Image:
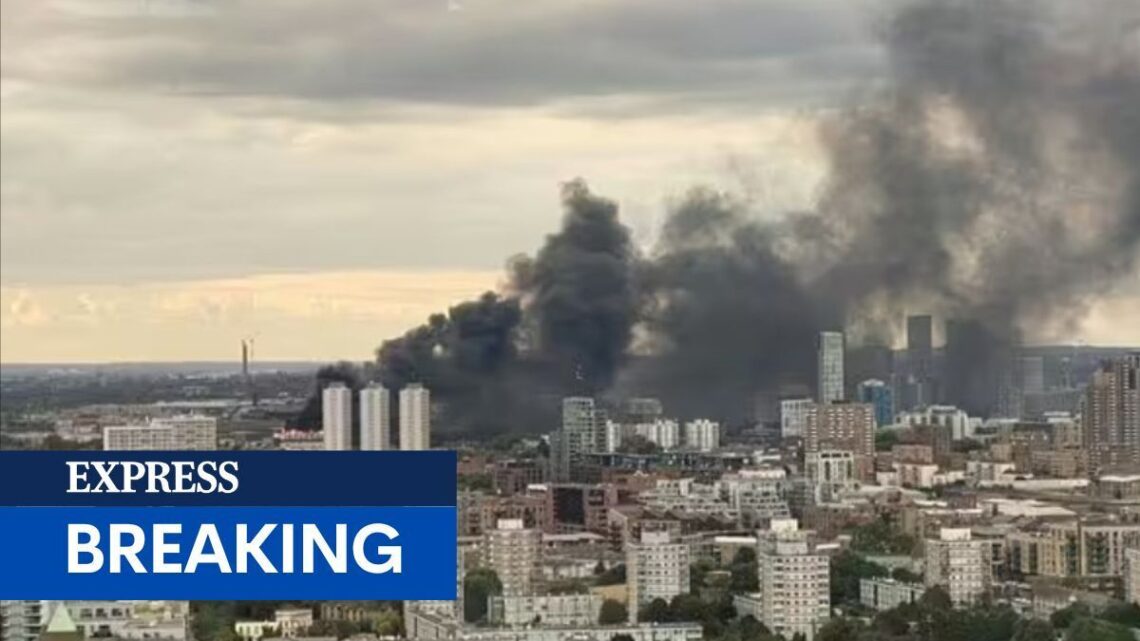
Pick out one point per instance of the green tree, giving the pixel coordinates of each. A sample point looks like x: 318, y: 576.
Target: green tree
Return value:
x: 905, y: 575
x: 622, y: 637
x: 847, y: 568
x: 1126, y: 614
x: 478, y: 586
x: 891, y: 623
x: 656, y: 611
x: 1090, y: 629
x: 613, y: 612
x: 612, y: 576
x: 885, y: 440
x: 745, y: 573
x: 1034, y: 630
x: 1063, y: 618
x: 841, y: 629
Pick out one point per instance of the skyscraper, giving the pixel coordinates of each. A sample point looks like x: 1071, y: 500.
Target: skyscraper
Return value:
x: 415, y: 417
x: 920, y: 345
x: 375, y: 418
x: 336, y: 420
x: 1111, y: 413
x: 830, y: 362
x: 879, y: 395
x: 583, y: 431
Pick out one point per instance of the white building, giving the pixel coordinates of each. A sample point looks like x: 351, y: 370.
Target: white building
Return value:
x: 415, y: 417
x: 430, y: 626
x: 887, y: 594
x: 375, y: 418
x: 793, y: 416
x: 961, y: 426
x: 829, y: 359
x: 22, y: 620
x: 656, y: 568
x: 665, y: 433
x: 831, y: 472
x: 585, y: 429
x: 795, y: 582
x: 514, y: 552
x: 702, y: 434
x: 336, y: 417
x: 131, y: 620
x: 191, y: 432
x: 548, y: 610
x: 288, y: 623
x: 1132, y: 575
x: 960, y: 564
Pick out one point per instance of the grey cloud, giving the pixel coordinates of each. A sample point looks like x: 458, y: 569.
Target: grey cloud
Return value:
x: 489, y: 53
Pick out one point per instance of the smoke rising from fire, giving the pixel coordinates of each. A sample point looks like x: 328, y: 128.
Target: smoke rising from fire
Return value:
x: 993, y: 175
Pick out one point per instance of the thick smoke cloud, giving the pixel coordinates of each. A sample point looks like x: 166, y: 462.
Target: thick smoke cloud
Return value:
x: 993, y: 177
x: 580, y: 292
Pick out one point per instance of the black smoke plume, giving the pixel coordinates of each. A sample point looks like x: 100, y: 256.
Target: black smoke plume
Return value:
x: 993, y: 177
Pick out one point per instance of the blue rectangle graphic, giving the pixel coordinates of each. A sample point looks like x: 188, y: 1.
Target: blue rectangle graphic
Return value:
x: 79, y: 478
x: 170, y: 553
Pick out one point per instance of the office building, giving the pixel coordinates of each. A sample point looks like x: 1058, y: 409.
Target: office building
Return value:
x: 336, y: 416
x: 375, y: 418
x: 829, y: 360
x: 794, y: 580
x: 656, y: 568
x: 793, y: 416
x: 920, y: 346
x: 1111, y: 414
x: 415, y: 417
x: 514, y: 552
x: 174, y: 433
x: 878, y: 394
x: 702, y: 434
x: 960, y: 564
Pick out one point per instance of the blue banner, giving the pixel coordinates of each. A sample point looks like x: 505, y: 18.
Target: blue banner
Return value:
x: 227, y: 553
x: 263, y: 478
x: 228, y: 525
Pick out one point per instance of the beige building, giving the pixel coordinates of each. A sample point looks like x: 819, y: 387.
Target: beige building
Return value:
x: 958, y: 563
x: 1111, y: 414
x: 514, y: 552
x: 656, y: 568
x: 1132, y: 575
x: 192, y: 432
x: 1072, y: 549
x: 794, y: 580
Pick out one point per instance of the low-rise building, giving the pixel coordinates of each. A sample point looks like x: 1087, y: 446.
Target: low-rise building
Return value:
x: 545, y: 610
x: 887, y: 594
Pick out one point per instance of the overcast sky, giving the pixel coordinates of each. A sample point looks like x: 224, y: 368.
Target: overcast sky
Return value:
x: 179, y: 174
